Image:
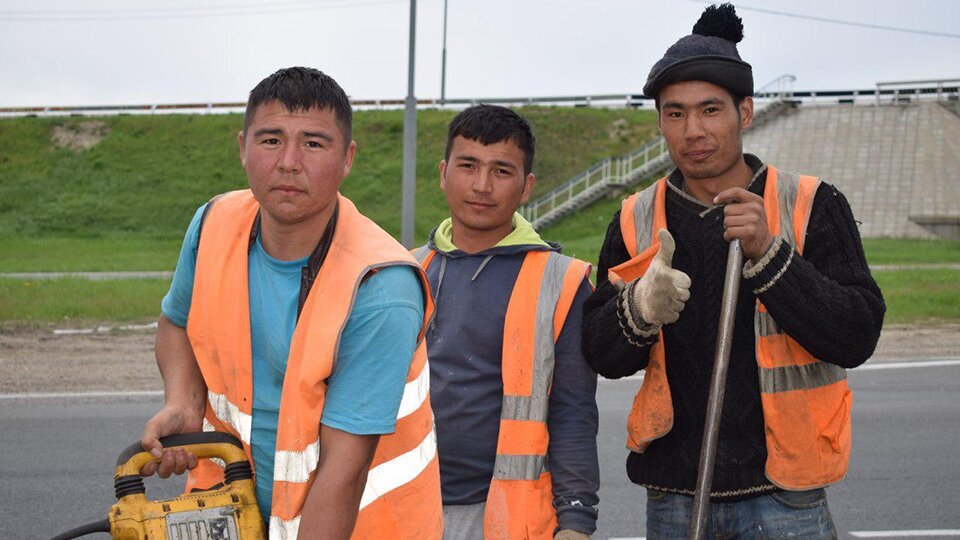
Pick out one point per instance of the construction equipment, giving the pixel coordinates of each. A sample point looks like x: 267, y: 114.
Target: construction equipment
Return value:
x: 718, y: 381
x: 226, y: 512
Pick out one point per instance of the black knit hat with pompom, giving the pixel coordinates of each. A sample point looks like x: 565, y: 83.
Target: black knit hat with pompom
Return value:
x: 708, y: 54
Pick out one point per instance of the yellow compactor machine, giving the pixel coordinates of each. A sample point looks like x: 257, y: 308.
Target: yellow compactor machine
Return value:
x: 226, y: 512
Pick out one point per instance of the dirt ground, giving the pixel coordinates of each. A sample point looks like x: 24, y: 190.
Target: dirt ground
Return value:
x: 37, y: 360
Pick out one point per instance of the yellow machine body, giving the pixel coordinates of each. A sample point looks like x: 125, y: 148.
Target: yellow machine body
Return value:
x: 227, y: 512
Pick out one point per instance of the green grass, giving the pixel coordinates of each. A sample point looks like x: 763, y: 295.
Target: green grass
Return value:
x: 920, y: 295
x: 73, y: 300
x: 909, y: 251
x: 45, y: 254
x: 912, y: 296
x: 124, y: 204
x: 144, y: 180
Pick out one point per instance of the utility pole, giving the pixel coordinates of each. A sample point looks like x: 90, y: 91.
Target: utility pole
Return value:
x: 409, y: 141
x: 443, y: 59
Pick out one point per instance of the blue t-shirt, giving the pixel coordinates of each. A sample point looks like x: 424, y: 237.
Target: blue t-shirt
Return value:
x: 376, y: 348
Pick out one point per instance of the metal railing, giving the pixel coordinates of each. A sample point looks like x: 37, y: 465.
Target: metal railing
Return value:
x: 598, y: 100
x: 617, y: 173
x: 884, y: 93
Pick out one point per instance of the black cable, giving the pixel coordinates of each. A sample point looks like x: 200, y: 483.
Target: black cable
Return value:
x: 835, y: 21
x: 83, y: 530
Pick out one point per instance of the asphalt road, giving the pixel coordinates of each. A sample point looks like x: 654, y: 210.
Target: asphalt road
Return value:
x: 57, y: 457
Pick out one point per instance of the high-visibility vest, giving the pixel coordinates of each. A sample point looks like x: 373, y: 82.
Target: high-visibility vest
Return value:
x: 401, y: 499
x: 520, y: 500
x: 806, y: 402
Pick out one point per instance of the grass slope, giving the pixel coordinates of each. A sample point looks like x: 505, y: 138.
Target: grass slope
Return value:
x: 123, y: 204
x: 142, y: 182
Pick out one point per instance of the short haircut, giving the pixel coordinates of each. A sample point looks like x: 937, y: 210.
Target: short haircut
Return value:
x: 490, y: 124
x: 302, y: 89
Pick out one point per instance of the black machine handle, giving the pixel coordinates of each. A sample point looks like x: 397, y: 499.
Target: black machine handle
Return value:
x: 182, y: 439
x: 206, y: 444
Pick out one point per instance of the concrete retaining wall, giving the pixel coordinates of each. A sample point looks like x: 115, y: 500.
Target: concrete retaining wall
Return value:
x: 891, y: 162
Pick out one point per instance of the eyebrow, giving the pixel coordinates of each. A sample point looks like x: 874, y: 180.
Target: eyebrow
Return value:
x: 497, y: 162
x: 704, y: 103
x: 307, y: 134
x: 318, y: 135
x: 267, y: 131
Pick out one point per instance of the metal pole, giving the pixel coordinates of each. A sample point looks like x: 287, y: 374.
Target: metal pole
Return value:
x: 410, y: 140
x: 443, y: 61
x: 718, y: 380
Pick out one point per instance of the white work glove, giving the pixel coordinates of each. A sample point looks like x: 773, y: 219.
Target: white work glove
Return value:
x: 658, y: 297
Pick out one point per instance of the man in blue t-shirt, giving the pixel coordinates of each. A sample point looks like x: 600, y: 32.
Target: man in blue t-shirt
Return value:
x: 296, y: 148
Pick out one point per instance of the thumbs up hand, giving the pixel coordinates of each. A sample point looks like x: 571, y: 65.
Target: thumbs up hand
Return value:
x: 660, y: 294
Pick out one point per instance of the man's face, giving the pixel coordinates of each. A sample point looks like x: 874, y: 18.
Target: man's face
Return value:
x: 484, y: 185
x: 295, y: 162
x: 703, y: 127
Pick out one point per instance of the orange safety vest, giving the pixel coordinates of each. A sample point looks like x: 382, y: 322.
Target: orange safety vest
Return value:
x: 520, y: 500
x: 401, y: 499
x: 806, y: 402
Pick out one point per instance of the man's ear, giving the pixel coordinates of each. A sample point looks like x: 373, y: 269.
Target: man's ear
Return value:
x: 746, y: 112
x: 443, y: 174
x: 243, y: 153
x: 348, y: 161
x: 528, y: 184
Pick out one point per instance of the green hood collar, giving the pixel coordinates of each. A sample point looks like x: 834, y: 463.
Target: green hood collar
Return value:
x: 523, y: 234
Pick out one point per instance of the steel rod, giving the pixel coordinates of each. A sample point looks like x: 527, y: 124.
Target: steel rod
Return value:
x: 718, y: 380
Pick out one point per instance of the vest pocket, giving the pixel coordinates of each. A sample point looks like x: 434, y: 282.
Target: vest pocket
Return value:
x: 837, y: 430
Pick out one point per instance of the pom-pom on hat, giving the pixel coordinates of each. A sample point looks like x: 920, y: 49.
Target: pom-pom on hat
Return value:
x: 708, y: 54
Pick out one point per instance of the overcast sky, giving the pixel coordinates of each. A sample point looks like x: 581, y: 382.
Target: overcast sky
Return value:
x: 98, y: 52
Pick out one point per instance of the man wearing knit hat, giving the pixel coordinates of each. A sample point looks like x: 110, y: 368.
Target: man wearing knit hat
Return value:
x: 807, y: 310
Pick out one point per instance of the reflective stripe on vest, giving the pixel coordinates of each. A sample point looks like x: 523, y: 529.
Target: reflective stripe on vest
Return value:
x: 230, y: 414
x: 806, y: 402
x: 520, y: 499
x: 401, y: 498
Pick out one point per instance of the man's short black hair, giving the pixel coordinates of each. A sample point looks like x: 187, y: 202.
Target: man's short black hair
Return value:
x: 490, y: 124
x: 302, y: 89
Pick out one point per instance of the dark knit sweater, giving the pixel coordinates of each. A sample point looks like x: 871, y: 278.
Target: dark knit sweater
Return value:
x: 826, y: 300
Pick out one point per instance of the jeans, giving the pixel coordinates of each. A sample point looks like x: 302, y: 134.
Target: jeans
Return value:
x: 796, y: 514
x: 463, y: 522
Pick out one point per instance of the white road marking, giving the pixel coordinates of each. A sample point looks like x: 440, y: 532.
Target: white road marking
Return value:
x: 915, y: 364
x: 920, y: 363
x: 863, y: 534
x: 58, y: 395
x: 103, y: 329
x: 905, y: 534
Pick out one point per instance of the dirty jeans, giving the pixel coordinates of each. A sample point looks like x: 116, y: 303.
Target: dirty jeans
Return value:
x: 797, y: 514
x: 463, y: 522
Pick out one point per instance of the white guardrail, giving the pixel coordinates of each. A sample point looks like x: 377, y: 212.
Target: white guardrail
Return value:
x: 884, y: 93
